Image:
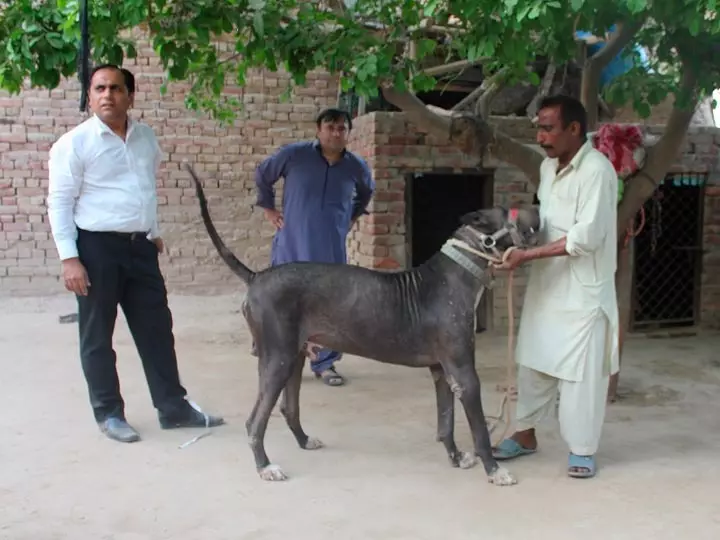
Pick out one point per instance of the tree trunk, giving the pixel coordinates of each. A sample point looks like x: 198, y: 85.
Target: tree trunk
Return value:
x: 623, y: 286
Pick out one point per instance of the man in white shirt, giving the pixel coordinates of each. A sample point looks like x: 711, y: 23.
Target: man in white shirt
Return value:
x: 568, y: 336
x: 102, y: 206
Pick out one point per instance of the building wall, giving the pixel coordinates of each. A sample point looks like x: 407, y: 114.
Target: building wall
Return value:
x: 225, y: 158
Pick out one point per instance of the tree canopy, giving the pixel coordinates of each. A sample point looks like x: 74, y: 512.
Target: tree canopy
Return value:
x: 366, y: 42
x: 394, y: 45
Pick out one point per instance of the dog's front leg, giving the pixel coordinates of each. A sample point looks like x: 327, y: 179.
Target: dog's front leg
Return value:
x: 466, y: 385
x: 446, y: 420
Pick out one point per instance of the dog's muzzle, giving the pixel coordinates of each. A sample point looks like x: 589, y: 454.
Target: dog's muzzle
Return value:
x: 489, y: 241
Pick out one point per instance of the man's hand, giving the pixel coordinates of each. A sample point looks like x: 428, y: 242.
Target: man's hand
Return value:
x: 75, y: 276
x: 514, y: 257
x: 159, y: 244
x: 275, y: 217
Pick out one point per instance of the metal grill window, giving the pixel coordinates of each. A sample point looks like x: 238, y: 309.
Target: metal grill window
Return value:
x: 668, y: 255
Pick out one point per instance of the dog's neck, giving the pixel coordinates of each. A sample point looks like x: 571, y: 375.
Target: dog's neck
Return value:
x: 466, y: 251
x: 468, y: 258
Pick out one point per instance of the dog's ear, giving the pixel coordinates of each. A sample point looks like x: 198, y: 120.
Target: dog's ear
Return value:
x: 528, y: 217
x: 478, y: 218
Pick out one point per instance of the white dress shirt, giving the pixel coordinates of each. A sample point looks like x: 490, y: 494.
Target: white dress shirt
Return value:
x: 566, y: 295
x: 98, y: 182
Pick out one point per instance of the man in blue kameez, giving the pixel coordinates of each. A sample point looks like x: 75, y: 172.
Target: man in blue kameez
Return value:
x: 326, y: 189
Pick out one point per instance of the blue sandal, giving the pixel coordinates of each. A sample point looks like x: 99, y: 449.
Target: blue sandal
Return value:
x: 510, y: 449
x: 585, y: 463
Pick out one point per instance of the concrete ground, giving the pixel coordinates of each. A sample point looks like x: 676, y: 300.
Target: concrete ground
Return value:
x: 381, y: 476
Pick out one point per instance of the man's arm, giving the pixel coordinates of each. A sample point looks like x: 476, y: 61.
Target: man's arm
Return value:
x: 159, y: 156
x: 595, y: 220
x: 364, y: 190
x: 268, y: 173
x: 65, y: 180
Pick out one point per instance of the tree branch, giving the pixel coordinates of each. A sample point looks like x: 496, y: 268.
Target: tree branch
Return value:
x: 594, y: 65
x: 418, y: 112
x: 661, y: 155
x: 454, y: 66
x: 493, y: 85
x: 469, y: 99
x: 467, y: 132
x: 545, y: 86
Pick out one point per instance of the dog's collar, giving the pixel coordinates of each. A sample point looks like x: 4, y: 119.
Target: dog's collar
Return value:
x: 466, y: 262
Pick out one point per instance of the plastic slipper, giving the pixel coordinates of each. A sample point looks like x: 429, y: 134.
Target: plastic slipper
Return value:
x: 581, y: 462
x: 510, y: 449
x: 331, y: 377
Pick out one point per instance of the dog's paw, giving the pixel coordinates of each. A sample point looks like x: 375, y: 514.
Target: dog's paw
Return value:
x: 313, y: 444
x: 272, y: 473
x: 467, y: 460
x: 502, y: 477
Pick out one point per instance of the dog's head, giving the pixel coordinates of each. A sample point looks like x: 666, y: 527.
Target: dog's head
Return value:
x: 497, y: 229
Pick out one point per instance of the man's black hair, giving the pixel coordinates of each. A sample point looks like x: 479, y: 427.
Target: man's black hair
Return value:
x: 571, y: 110
x: 333, y: 115
x: 127, y: 75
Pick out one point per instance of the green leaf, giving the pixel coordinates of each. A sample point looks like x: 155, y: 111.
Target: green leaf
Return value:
x: 636, y: 6
x: 643, y: 109
x: 577, y: 5
x: 258, y: 24
x: 55, y: 39
x: 425, y: 46
x: 694, y: 26
x: 203, y: 35
x: 430, y: 7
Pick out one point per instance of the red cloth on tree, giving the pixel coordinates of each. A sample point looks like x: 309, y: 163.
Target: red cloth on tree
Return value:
x: 618, y: 142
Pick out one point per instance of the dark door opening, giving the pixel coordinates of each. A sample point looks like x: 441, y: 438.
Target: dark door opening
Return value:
x: 668, y: 256
x: 436, y: 201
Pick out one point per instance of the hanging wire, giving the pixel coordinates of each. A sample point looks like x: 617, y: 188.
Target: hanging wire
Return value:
x: 84, y: 55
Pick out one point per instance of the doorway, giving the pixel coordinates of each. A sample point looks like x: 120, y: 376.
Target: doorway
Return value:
x: 434, y: 204
x: 668, y: 256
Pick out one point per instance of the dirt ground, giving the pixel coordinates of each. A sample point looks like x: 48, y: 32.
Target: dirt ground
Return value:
x: 381, y: 476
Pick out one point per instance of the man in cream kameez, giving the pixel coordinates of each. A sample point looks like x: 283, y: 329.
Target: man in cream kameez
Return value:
x: 568, y: 336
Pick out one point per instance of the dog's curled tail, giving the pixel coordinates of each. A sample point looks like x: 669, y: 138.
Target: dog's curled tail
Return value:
x: 226, y: 255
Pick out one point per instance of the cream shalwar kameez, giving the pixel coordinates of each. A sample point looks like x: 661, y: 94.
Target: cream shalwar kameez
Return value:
x: 568, y: 335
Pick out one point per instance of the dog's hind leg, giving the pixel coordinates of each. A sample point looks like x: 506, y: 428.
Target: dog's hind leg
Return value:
x: 446, y: 420
x: 274, y: 375
x: 290, y: 407
x: 466, y: 384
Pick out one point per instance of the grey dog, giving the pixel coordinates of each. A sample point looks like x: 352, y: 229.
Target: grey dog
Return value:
x: 422, y: 317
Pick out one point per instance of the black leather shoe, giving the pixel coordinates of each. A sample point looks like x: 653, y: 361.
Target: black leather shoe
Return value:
x: 119, y: 430
x: 190, y: 418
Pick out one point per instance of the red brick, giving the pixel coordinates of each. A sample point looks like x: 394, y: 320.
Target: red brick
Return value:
x: 385, y: 264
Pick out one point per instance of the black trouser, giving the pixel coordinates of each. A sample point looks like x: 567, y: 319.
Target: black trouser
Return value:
x: 123, y: 269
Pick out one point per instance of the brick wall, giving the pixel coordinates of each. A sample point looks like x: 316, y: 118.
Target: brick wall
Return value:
x: 225, y: 158
x: 394, y: 148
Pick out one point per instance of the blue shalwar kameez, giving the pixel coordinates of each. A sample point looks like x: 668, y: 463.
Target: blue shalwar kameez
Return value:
x: 319, y: 203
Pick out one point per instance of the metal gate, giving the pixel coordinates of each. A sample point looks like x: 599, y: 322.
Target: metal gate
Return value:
x: 668, y: 255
